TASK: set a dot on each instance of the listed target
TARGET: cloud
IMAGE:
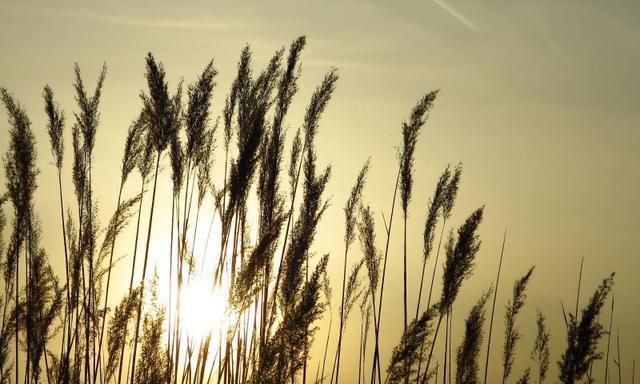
(461, 18)
(203, 23)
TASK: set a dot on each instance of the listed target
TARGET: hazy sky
(539, 101)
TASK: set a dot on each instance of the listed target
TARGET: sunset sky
(539, 100)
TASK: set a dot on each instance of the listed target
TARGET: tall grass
(275, 289)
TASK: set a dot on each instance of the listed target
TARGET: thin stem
(341, 328)
(579, 283)
(133, 267)
(606, 364)
(360, 353)
(169, 333)
(446, 348)
(493, 309)
(376, 353)
(433, 277)
(106, 294)
(404, 259)
(326, 347)
(450, 343)
(66, 256)
(619, 360)
(435, 338)
(144, 272)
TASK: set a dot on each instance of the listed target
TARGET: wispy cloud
(453, 12)
(160, 22)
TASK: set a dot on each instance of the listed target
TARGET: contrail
(456, 14)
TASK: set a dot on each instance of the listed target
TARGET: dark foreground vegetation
(275, 289)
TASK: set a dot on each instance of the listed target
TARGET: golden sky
(539, 100)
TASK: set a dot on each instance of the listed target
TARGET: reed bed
(273, 288)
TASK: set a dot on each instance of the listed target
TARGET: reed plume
(405, 356)
(296, 149)
(284, 352)
(540, 352)
(468, 352)
(251, 276)
(153, 360)
(89, 117)
(525, 378)
(372, 256)
(461, 253)
(196, 116)
(460, 261)
(433, 212)
(43, 302)
(55, 126)
(410, 132)
(133, 148)
(583, 336)
(512, 333)
(119, 330)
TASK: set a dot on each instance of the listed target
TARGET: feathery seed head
(352, 202)
(55, 126)
(88, 117)
(435, 204)
(461, 253)
(410, 133)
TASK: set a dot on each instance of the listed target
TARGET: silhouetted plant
(540, 352)
(20, 173)
(442, 203)
(512, 334)
(410, 132)
(434, 210)
(8, 323)
(583, 336)
(313, 206)
(525, 378)
(161, 112)
(461, 253)
(349, 237)
(284, 351)
(468, 352)
(119, 330)
(270, 198)
(406, 354)
(43, 302)
(153, 360)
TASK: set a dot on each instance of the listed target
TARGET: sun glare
(203, 309)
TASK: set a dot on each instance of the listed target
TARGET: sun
(203, 309)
